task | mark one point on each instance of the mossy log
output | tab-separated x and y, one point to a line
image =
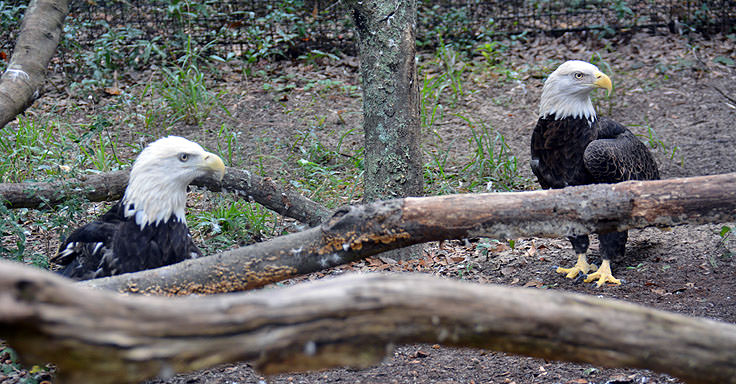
355	232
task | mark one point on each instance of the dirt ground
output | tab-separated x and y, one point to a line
674	85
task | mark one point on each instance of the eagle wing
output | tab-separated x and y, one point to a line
114	244
81	253
618	155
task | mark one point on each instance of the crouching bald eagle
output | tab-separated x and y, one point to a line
146	228
572	146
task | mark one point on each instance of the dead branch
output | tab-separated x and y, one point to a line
101	337
39	35
111	186
356	232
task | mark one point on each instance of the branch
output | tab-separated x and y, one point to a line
111	186
100	337
21	83
356	232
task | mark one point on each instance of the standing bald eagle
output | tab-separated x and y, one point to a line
146	228
572	146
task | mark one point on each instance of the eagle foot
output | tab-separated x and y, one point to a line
581	266
603	275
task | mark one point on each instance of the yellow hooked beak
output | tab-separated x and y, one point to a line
214	164
603	81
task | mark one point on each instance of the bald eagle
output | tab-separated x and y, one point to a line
571	145
146	228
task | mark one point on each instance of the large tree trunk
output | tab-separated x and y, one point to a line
111	186
393	159
100	337
359	231
21	83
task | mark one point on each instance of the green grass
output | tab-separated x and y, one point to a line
331	176
231	223
653	141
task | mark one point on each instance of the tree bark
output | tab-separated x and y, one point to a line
111	186
21	83
100	337
393	159
357	232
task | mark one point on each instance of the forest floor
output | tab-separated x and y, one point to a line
667	89
676	92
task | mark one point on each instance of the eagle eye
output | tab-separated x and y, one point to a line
183	157
578	75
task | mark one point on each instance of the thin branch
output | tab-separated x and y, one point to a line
111	186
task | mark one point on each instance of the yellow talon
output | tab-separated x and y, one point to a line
603	275
581	266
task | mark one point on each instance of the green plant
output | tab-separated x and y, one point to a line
727	236
231	223
10	17
13	371
228	145
430	107
493	52
493	163
9	227
185	92
96	151
331	176
437	176
654	142
113	53
453	68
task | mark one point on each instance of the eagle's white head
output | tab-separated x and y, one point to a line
157	188
567	90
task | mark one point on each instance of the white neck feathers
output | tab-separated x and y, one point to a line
154	198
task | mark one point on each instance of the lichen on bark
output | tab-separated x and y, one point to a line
390	98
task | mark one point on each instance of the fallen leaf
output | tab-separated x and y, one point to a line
113	91
387	260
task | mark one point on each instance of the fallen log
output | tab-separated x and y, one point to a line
356	232
101	337
111	186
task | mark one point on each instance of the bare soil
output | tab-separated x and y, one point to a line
675	85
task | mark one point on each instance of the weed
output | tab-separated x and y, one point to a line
465	270
9	227
454	69
230	223
184	89
437	173
330	176
13	371
228	145
655	143
431	108
727	238
493	163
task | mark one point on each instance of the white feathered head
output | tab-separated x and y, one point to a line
157	189
566	93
